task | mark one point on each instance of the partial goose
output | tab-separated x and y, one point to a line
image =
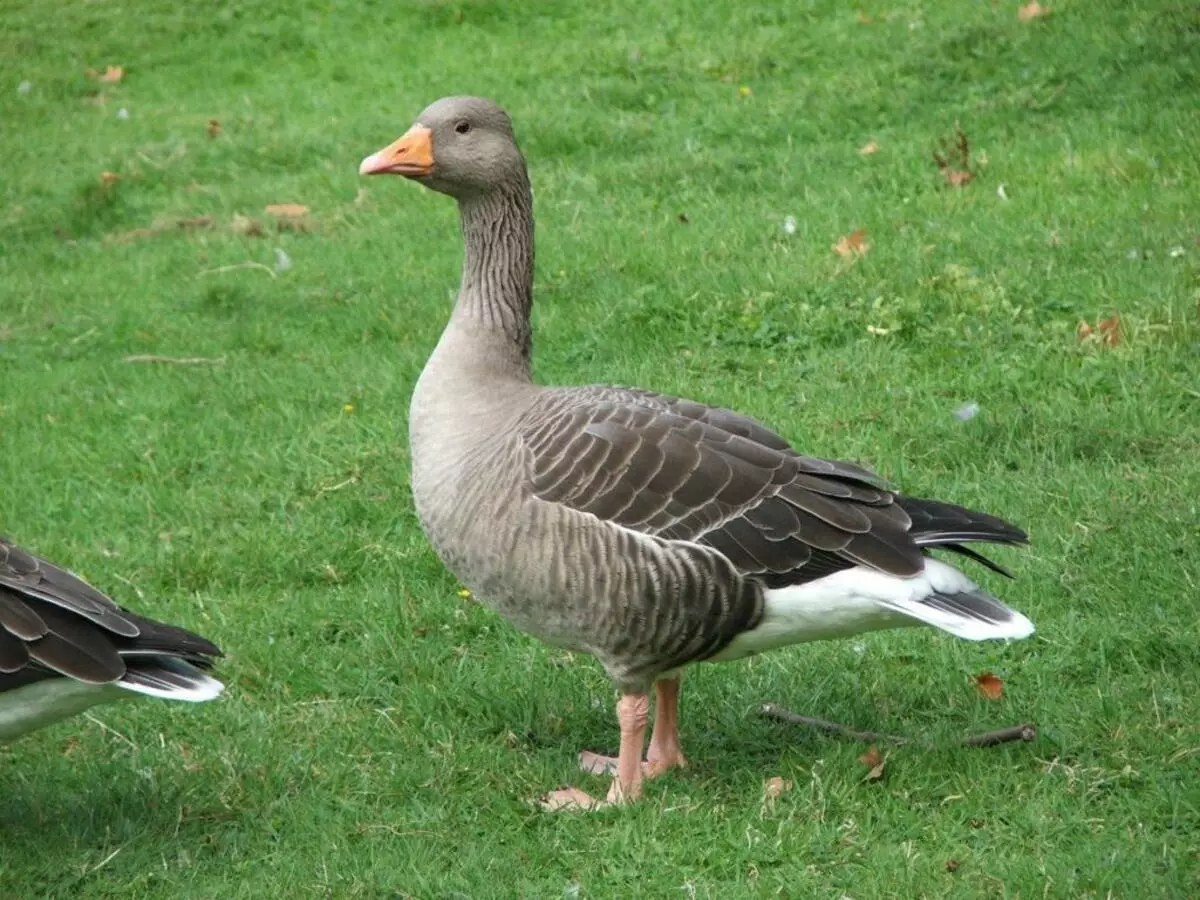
650	531
65	647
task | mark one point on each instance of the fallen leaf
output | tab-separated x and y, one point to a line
872	757
286	210
214	128
875	760
1031	11
246	226
1110	330
954	159
108	179
952	865
868	148
853	244
989	685
775	787
111	75
1107	331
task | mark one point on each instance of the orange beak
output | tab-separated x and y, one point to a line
411	155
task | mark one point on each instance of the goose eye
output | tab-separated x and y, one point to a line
462	127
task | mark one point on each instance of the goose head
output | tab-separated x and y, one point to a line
461	146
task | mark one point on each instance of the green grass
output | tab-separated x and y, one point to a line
381	735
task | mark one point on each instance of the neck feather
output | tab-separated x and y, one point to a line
497	282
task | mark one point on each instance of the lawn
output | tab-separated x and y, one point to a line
695	165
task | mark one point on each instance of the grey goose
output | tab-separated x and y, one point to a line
647	530
65	647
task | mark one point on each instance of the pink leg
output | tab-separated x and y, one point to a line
633	714
665	752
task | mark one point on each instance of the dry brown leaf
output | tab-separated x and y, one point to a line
853	244
1031	11
871	146
108	179
872	757
111	75
245	225
989	685
1107	331
954	159
286	210
875	761
214	128
775	787
1110	329
952	865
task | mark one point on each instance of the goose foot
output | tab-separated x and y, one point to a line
633	714
653	766
570	799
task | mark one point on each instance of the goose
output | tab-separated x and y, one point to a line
65	647
647	530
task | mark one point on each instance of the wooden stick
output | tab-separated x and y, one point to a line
771	711
1024	732
176	360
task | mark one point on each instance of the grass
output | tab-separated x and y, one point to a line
381	734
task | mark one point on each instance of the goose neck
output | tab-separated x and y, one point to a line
496	296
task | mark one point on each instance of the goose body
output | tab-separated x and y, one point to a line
650	531
65	647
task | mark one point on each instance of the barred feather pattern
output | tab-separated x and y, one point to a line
645	529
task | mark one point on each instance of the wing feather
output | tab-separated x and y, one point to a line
681	470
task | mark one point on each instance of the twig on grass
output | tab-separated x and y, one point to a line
771	711
1024	732
249	264
175	360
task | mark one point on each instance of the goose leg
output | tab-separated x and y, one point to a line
665	753
633	715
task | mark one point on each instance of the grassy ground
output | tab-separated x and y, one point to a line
381	734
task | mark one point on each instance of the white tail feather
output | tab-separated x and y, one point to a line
859	599
171	679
